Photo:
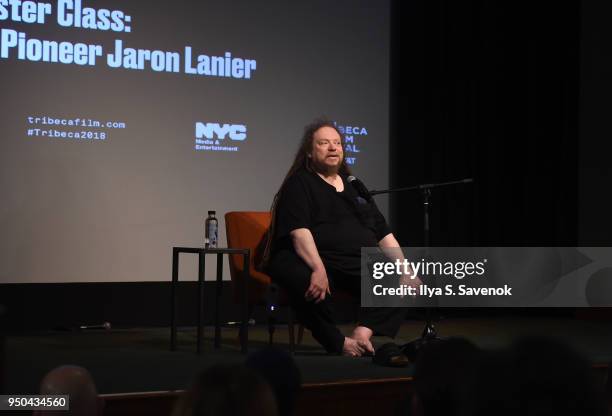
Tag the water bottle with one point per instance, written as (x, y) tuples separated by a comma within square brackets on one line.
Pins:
[(211, 230)]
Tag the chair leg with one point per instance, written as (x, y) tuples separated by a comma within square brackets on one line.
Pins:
[(249, 314), (300, 334), (300, 337), (271, 324), (290, 323), (271, 305)]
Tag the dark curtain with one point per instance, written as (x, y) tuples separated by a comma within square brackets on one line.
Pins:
[(488, 90)]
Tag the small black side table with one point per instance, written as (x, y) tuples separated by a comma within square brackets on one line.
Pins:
[(202, 252)]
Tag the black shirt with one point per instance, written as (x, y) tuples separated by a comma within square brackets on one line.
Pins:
[(340, 222)]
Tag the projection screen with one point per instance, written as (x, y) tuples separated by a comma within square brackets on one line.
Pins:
[(124, 122)]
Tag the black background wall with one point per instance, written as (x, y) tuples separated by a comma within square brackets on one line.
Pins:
[(595, 148), (516, 95), (488, 90)]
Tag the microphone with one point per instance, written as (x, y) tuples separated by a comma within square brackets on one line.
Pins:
[(104, 325), (360, 188)]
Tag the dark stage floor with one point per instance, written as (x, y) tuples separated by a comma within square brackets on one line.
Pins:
[(139, 360)]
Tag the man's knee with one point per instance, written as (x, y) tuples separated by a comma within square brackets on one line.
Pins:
[(290, 272)]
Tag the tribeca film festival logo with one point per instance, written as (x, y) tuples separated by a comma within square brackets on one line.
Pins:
[(217, 137), (352, 134)]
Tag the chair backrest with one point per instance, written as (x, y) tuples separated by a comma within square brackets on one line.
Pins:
[(247, 229)]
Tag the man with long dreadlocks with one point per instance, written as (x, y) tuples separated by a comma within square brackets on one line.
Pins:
[(319, 225)]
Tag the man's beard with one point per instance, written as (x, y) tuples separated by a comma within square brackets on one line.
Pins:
[(327, 169)]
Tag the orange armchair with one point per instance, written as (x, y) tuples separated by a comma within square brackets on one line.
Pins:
[(247, 229)]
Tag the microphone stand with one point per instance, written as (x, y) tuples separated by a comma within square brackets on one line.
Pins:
[(429, 333)]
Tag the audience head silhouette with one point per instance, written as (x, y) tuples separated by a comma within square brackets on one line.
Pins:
[(228, 390), (444, 378), (278, 368), (78, 384), (538, 376)]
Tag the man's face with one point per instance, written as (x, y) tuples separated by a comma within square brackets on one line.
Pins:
[(327, 150)]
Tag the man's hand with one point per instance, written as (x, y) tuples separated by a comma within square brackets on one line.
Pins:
[(408, 280), (305, 247), (354, 348), (319, 286), (391, 248)]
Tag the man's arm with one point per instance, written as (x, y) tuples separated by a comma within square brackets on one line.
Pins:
[(391, 248), (306, 249)]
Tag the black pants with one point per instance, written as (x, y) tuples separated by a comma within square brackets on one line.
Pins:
[(293, 275)]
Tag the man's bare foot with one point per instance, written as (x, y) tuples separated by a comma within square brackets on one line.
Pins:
[(362, 335), (353, 348)]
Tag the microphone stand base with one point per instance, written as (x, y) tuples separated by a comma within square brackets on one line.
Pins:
[(413, 348)]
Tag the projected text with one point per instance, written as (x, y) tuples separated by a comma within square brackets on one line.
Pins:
[(71, 13), (71, 128)]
